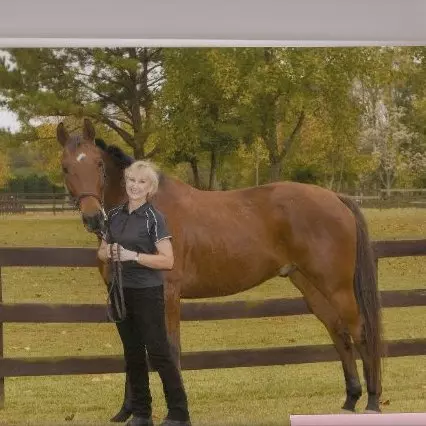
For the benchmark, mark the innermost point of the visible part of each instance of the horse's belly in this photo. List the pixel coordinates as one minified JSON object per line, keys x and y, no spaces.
{"x":230,"y":279}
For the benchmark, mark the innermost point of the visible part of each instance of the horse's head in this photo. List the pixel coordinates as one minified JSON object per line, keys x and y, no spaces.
{"x":84,"y":172}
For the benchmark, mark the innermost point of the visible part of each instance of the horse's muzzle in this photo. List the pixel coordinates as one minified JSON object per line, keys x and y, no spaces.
{"x":94,"y":223}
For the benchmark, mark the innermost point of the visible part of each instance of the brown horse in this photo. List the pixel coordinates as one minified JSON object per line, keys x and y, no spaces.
{"x":226,"y":242}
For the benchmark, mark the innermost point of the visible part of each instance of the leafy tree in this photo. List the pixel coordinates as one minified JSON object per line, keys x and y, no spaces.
{"x":116,"y":87}
{"x":199,"y":99}
{"x":389,"y":129}
{"x":284,"y":88}
{"x":387,"y":139}
{"x":7,"y":142}
{"x":4,"y":169}
{"x":224,"y":118}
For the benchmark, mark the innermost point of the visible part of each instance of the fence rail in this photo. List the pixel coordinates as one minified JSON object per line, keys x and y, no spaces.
{"x":200,"y":360}
{"x":191,"y":311}
{"x":86,"y":256}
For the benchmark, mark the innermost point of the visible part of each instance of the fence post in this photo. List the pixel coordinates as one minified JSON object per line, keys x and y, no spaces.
{"x":54,"y":202}
{"x":1,"y":348}
{"x":376,"y":262}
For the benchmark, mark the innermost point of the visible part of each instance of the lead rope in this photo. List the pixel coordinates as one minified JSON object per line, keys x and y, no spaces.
{"x":115,"y":293}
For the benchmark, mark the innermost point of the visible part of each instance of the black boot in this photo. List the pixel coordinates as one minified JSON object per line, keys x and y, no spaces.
{"x":170,"y":422}
{"x":122,"y":415}
{"x":126,"y":409}
{"x":140,"y":421}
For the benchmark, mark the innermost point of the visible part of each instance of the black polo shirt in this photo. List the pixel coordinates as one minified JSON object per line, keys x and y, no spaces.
{"x":137,"y":231}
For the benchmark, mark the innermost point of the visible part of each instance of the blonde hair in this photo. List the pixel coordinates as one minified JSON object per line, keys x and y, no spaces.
{"x":148,"y":169}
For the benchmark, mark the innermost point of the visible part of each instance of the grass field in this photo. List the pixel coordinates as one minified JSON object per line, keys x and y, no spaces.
{"x":240,"y":396}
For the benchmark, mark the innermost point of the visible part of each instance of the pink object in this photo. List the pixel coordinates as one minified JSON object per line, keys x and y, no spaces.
{"x":395,"y":419}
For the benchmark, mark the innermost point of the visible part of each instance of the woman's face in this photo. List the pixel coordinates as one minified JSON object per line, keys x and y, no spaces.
{"x":138,"y":186}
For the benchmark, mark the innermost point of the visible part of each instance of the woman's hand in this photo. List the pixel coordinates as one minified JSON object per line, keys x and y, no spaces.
{"x":122,"y":254}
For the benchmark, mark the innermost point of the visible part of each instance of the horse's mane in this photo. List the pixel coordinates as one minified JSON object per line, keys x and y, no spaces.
{"x":117,"y":155}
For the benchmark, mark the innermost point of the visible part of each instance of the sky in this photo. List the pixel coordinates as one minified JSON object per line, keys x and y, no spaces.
{"x":8,"y":120}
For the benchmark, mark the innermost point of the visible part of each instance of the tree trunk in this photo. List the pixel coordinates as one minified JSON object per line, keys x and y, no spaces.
{"x":275,"y":170}
{"x":213,"y":170}
{"x":388,"y":183}
{"x":138,"y":151}
{"x":340,"y":182}
{"x":257,"y":164}
{"x":195,"y":172}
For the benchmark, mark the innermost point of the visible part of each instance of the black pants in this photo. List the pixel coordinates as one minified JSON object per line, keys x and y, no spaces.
{"x":144,"y":329}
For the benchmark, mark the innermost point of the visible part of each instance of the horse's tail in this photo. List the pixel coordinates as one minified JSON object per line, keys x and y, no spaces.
{"x":367,"y":292}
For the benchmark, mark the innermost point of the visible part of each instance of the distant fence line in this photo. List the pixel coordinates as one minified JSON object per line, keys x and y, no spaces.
{"x":194,"y":311}
{"x":22,"y":202}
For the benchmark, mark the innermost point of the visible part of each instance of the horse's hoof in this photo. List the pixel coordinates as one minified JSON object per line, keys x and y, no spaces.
{"x":122,"y":415}
{"x":372,"y":412}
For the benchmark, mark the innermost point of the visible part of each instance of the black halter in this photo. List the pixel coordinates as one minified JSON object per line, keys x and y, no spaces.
{"x":88,"y":194}
{"x":77,"y":200}
{"x":100,"y":199}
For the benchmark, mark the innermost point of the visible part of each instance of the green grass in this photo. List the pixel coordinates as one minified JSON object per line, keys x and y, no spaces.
{"x":239,"y":396}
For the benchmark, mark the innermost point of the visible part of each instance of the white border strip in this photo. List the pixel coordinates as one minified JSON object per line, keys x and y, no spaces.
{"x":27,"y":23}
{"x":106,"y":42}
{"x":392,"y":419}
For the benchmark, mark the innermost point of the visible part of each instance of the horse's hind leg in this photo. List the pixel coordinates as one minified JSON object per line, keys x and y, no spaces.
{"x":345,"y":303}
{"x":358,"y":303}
{"x":339,"y":334}
{"x":374,"y":391}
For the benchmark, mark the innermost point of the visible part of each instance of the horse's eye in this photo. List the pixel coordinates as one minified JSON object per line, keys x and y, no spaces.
{"x":64,"y":169}
{"x":100,"y":163}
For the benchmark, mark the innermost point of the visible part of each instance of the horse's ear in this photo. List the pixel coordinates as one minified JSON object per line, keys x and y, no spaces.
{"x":88,"y":130}
{"x":61,"y":134}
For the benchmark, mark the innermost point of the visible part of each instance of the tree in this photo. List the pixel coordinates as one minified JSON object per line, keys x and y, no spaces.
{"x":4,"y":169}
{"x":116,"y":87}
{"x":7,"y":142}
{"x":286,"y":87}
{"x":389,"y":129}
{"x":200,"y":98}
{"x":326,"y":156}
{"x":387,"y":139}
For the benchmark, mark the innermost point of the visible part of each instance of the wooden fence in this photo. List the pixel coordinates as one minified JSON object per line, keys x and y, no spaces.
{"x":198,"y":311}
{"x":20,"y":203}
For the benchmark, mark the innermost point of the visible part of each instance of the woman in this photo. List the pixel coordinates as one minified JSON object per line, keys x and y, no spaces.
{"x":137,"y":236}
